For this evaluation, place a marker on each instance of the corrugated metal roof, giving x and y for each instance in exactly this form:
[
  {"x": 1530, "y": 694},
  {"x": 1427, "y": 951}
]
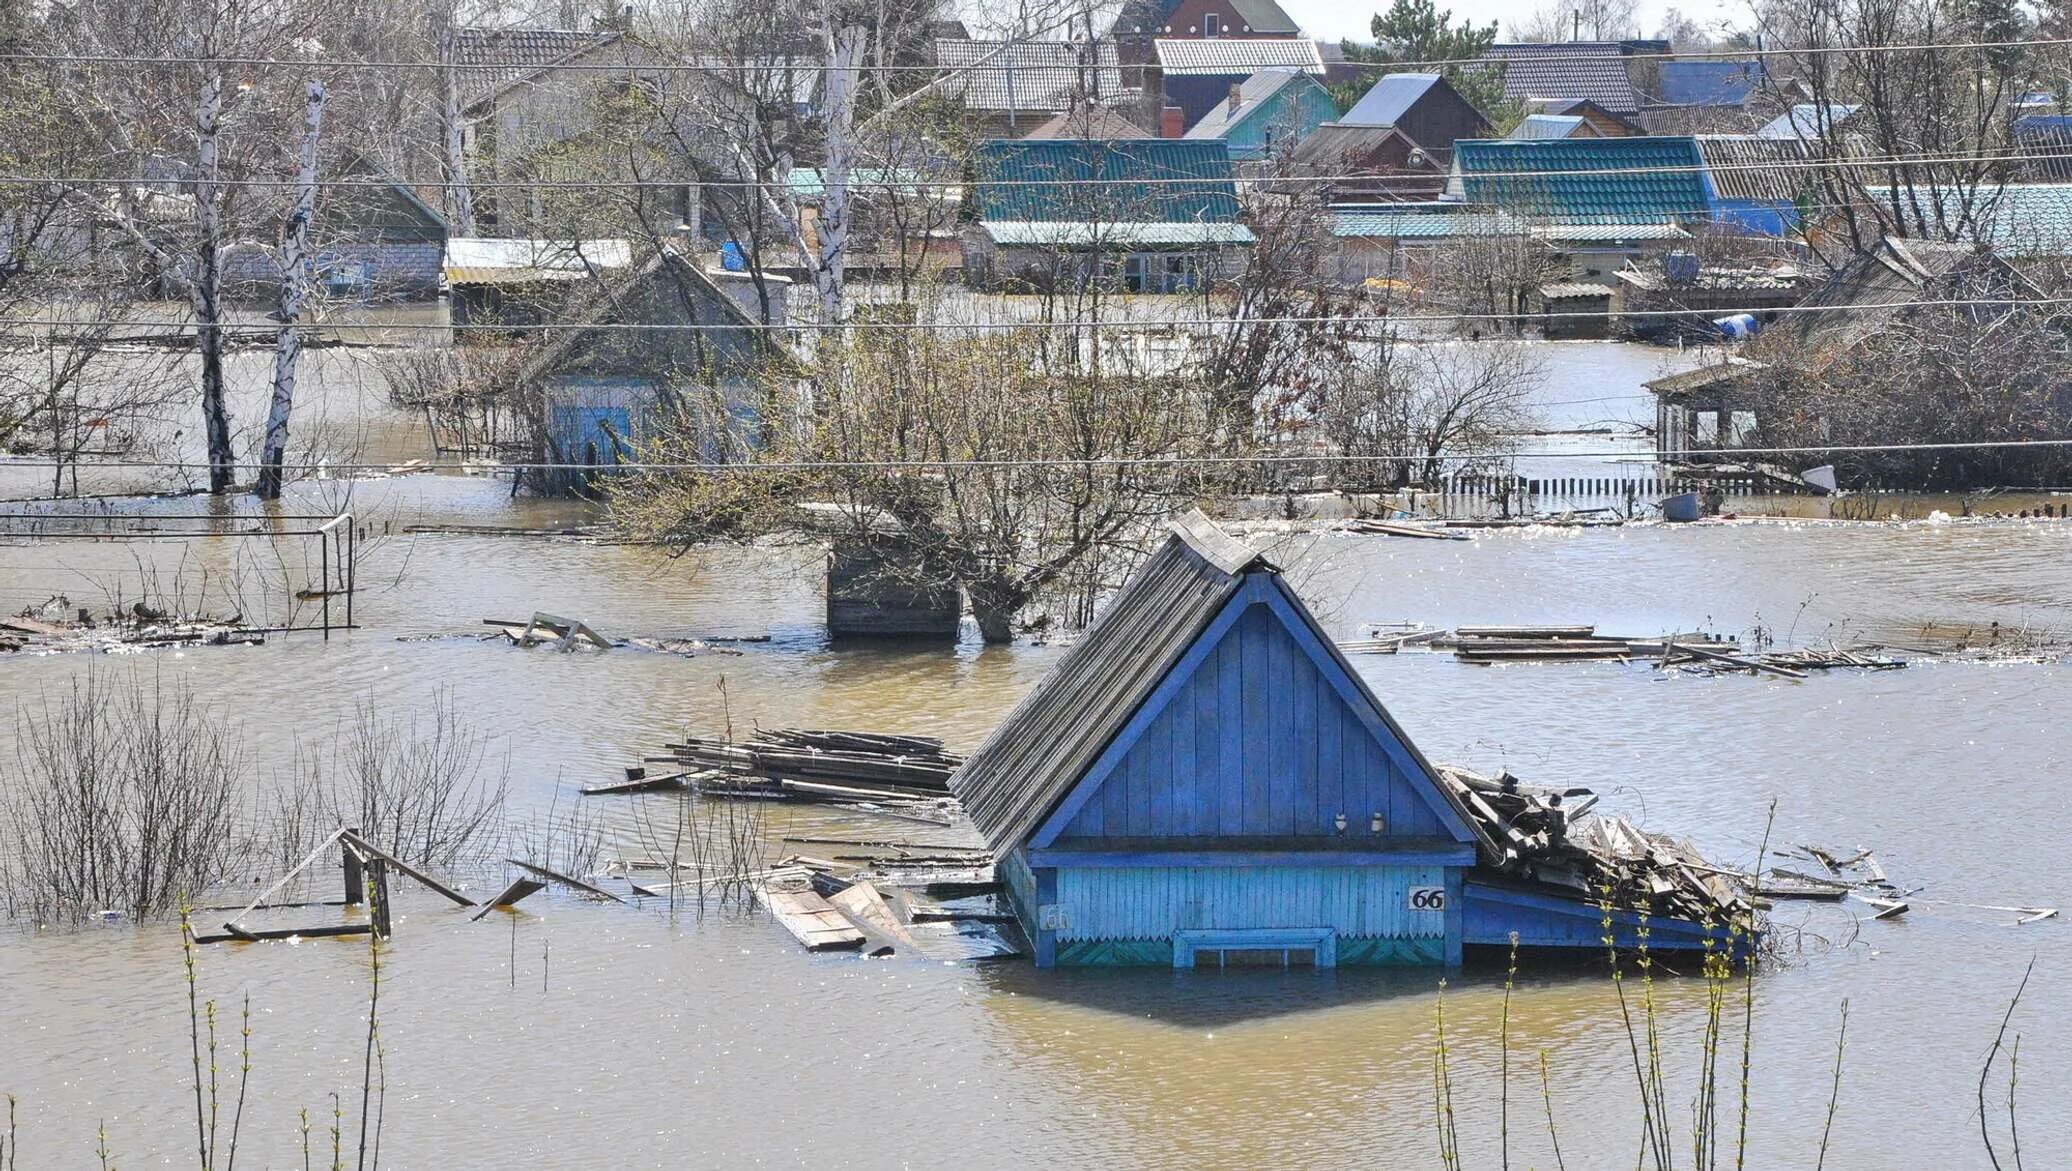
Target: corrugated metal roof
[
  {"x": 1419, "y": 221},
  {"x": 1607, "y": 233},
  {"x": 1104, "y": 182},
  {"x": 1585, "y": 180},
  {"x": 1806, "y": 121},
  {"x": 1864, "y": 294},
  {"x": 1547, "y": 127},
  {"x": 1767, "y": 170},
  {"x": 1221, "y": 119},
  {"x": 2019, "y": 220},
  {"x": 1709, "y": 83},
  {"x": 1573, "y": 291},
  {"x": 1054, "y": 234},
  {"x": 1234, "y": 56},
  {"x": 1389, "y": 99},
  {"x": 1569, "y": 69},
  {"x": 1056, "y": 732},
  {"x": 998, "y": 76}
]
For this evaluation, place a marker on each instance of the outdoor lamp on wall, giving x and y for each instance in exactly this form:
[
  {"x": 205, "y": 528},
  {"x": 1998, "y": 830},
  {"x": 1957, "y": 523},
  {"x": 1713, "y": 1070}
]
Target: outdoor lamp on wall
[
  {"x": 1374, "y": 824},
  {"x": 1339, "y": 821}
]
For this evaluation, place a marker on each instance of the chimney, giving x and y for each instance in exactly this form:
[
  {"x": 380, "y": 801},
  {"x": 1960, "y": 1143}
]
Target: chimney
[
  {"x": 1237, "y": 95},
  {"x": 1172, "y": 122}
]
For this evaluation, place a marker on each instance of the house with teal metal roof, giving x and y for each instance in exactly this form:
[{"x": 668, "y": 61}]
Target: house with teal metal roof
[
  {"x": 1600, "y": 202},
  {"x": 1268, "y": 114},
  {"x": 1143, "y": 215},
  {"x": 1204, "y": 778}
]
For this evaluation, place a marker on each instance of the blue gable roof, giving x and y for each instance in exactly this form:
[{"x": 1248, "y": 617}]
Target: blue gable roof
[
  {"x": 1390, "y": 99},
  {"x": 1260, "y": 737},
  {"x": 1709, "y": 83}
]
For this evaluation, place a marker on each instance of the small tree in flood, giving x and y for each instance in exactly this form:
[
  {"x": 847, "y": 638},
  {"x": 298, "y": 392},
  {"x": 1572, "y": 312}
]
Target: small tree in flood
[
  {"x": 1000, "y": 460},
  {"x": 1414, "y": 403}
]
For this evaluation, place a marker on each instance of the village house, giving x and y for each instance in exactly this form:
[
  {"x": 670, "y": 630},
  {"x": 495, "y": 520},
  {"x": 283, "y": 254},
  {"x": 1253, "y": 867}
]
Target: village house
[
  {"x": 1755, "y": 185},
  {"x": 1714, "y": 96},
  {"x": 1364, "y": 164},
  {"x": 373, "y": 239},
  {"x": 1140, "y": 216},
  {"x": 594, "y": 394},
  {"x": 1267, "y": 116},
  {"x": 1140, "y": 22},
  {"x": 1394, "y": 245},
  {"x": 1204, "y": 779},
  {"x": 1425, "y": 108},
  {"x": 1195, "y": 74},
  {"x": 1603, "y": 121}
]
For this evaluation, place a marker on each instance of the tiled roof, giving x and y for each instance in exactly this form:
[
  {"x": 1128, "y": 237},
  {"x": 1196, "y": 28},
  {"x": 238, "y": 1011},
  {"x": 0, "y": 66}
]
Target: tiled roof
[
  {"x": 1419, "y": 221},
  {"x": 1768, "y": 170},
  {"x": 493, "y": 59},
  {"x": 1571, "y": 69},
  {"x": 1709, "y": 83},
  {"x": 997, "y": 76},
  {"x": 1542, "y": 127},
  {"x": 1585, "y": 181},
  {"x": 1066, "y": 181},
  {"x": 1804, "y": 121},
  {"x": 1234, "y": 56},
  {"x": 1390, "y": 99}
]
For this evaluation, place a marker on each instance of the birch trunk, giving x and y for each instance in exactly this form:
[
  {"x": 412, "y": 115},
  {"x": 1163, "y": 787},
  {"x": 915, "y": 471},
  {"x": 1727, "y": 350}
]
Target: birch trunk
[
  {"x": 207, "y": 288},
  {"x": 460, "y": 198},
  {"x": 844, "y": 57},
  {"x": 296, "y": 267}
]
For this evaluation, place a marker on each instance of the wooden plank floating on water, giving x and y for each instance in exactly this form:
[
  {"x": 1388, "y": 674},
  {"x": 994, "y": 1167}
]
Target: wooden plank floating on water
[
  {"x": 520, "y": 889},
  {"x": 1680, "y": 648},
  {"x": 1392, "y": 529},
  {"x": 235, "y": 934},
  {"x": 1525, "y": 631},
  {"x": 556, "y": 876},
  {"x": 812, "y": 921},
  {"x": 674, "y": 782},
  {"x": 367, "y": 849}
]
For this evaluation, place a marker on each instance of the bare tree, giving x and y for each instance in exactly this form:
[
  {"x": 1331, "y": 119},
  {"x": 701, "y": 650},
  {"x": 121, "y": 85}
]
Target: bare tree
[{"x": 1411, "y": 405}]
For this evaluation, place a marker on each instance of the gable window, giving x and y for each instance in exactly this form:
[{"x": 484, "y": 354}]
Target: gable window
[{"x": 1211, "y": 24}]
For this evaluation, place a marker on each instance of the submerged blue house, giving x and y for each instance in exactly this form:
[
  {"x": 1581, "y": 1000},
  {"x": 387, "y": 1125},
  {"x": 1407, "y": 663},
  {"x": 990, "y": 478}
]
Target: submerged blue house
[{"x": 1204, "y": 779}]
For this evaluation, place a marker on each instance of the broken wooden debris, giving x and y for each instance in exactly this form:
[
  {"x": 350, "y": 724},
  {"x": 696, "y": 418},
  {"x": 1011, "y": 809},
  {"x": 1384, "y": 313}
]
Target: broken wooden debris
[
  {"x": 1548, "y": 838},
  {"x": 511, "y": 896},
  {"x": 1389, "y": 528},
  {"x": 565, "y": 633},
  {"x": 812, "y": 921},
  {"x": 57, "y": 627},
  {"x": 235, "y": 934},
  {"x": 542, "y": 872},
  {"x": 672, "y": 782}
]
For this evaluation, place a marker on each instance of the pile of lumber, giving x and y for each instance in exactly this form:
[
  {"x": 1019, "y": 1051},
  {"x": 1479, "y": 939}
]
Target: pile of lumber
[
  {"x": 1792, "y": 664},
  {"x": 50, "y": 630},
  {"x": 1541, "y": 644},
  {"x": 1550, "y": 838},
  {"x": 884, "y": 910},
  {"x": 891, "y": 766}
]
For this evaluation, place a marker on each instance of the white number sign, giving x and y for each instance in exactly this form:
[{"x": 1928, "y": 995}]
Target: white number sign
[{"x": 1427, "y": 898}]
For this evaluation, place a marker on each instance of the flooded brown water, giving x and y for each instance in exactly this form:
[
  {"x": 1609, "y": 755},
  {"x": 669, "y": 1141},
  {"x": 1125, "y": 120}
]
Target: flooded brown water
[{"x": 574, "y": 1034}]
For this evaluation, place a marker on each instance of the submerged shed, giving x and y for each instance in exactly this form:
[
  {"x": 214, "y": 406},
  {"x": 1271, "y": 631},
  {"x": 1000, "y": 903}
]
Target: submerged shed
[{"x": 1204, "y": 779}]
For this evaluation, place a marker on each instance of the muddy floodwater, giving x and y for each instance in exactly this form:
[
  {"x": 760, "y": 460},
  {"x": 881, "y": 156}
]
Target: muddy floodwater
[{"x": 577, "y": 1034}]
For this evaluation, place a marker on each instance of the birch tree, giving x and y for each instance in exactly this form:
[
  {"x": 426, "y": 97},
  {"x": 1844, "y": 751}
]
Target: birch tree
[{"x": 297, "y": 266}]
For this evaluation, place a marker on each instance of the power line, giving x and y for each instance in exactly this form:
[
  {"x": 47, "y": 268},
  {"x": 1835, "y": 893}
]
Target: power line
[
  {"x": 1152, "y": 461},
  {"x": 774, "y": 69},
  {"x": 1159, "y": 323},
  {"x": 1852, "y": 162}
]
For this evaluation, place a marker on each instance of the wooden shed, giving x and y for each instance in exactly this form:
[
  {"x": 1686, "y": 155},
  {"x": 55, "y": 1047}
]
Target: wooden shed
[{"x": 1204, "y": 779}]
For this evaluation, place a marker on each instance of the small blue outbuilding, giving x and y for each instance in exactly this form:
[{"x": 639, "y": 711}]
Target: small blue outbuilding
[{"x": 1203, "y": 778}]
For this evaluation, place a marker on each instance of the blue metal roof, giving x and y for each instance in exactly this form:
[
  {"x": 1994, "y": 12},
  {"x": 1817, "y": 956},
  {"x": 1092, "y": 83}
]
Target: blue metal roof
[
  {"x": 1151, "y": 180},
  {"x": 1586, "y": 180},
  {"x": 1390, "y": 99},
  {"x": 1709, "y": 83}
]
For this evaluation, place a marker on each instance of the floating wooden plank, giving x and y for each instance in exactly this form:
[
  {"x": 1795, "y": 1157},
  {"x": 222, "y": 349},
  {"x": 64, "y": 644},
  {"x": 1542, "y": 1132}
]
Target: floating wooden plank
[
  {"x": 811, "y": 921},
  {"x": 1390, "y": 529},
  {"x": 519, "y": 889},
  {"x": 563, "y": 879},
  {"x": 246, "y": 935},
  {"x": 671, "y": 783},
  {"x": 1525, "y": 631}
]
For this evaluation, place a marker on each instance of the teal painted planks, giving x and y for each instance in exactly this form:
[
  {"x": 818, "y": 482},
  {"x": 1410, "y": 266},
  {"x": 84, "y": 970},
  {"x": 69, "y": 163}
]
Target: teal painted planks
[{"x": 1152, "y": 903}]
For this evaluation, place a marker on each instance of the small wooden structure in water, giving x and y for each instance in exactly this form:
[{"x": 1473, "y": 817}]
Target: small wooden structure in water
[{"x": 1203, "y": 779}]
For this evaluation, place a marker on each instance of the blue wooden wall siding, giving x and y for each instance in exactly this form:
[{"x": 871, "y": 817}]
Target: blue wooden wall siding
[
  {"x": 1491, "y": 913},
  {"x": 1258, "y": 742},
  {"x": 1282, "y": 120},
  {"x": 1145, "y": 903}
]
